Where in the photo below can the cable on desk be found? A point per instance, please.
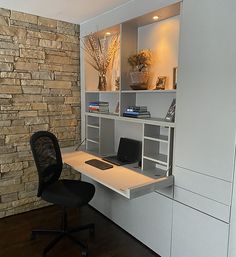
(78, 146)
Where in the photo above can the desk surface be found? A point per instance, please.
(120, 179)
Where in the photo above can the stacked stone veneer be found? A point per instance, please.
(39, 90)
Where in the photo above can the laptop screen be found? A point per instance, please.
(129, 150)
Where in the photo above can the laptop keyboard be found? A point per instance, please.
(114, 160)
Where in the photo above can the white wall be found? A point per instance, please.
(232, 232)
(163, 40)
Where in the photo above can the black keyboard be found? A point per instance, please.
(99, 164)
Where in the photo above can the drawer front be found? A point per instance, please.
(195, 234)
(206, 205)
(206, 186)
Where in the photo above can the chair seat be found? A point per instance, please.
(69, 193)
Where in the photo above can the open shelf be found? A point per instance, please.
(93, 133)
(92, 146)
(158, 158)
(154, 121)
(163, 139)
(154, 169)
(92, 121)
(158, 133)
(92, 126)
(102, 92)
(94, 140)
(150, 91)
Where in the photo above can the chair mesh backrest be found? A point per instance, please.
(47, 157)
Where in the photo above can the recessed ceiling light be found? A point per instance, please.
(108, 33)
(155, 17)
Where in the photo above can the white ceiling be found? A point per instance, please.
(75, 11)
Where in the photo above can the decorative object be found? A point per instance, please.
(175, 72)
(117, 84)
(139, 86)
(117, 110)
(161, 82)
(102, 82)
(140, 63)
(139, 79)
(101, 53)
(170, 116)
(137, 112)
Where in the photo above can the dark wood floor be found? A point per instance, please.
(109, 240)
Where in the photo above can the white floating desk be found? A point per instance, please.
(120, 179)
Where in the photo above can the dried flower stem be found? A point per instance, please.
(100, 52)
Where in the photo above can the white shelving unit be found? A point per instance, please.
(103, 130)
(157, 150)
(92, 131)
(200, 209)
(154, 190)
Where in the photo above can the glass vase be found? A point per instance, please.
(102, 82)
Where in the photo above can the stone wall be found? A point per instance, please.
(39, 90)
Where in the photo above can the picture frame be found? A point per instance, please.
(175, 74)
(117, 108)
(161, 82)
(170, 115)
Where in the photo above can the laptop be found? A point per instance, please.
(129, 151)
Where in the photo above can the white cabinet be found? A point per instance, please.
(205, 117)
(205, 193)
(205, 120)
(148, 218)
(204, 132)
(197, 235)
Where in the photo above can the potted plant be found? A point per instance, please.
(139, 74)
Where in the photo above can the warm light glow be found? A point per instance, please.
(155, 17)
(108, 33)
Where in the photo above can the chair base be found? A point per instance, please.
(61, 234)
(64, 232)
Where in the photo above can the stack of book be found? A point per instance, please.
(137, 112)
(98, 107)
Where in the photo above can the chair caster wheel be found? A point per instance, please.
(84, 253)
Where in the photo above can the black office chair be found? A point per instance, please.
(65, 193)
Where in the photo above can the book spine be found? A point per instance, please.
(134, 110)
(143, 108)
(125, 114)
(98, 103)
(137, 113)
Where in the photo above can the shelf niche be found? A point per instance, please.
(163, 41)
(92, 76)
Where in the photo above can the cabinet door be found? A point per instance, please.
(148, 218)
(197, 235)
(205, 118)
